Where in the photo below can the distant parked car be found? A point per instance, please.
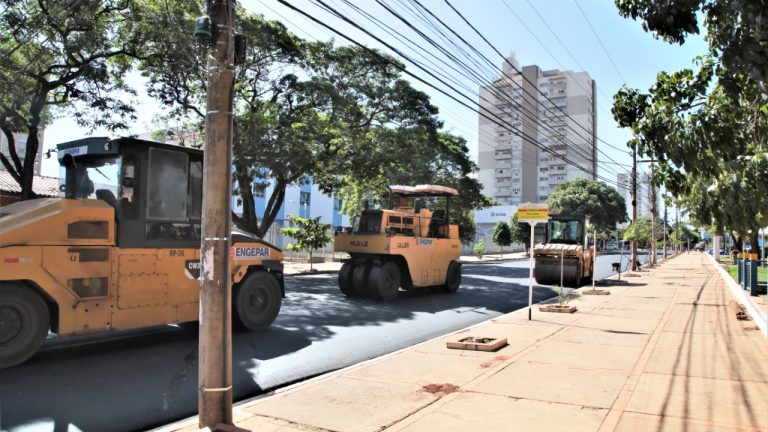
(611, 247)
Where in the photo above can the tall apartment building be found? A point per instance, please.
(644, 196)
(552, 109)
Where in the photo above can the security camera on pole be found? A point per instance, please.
(532, 214)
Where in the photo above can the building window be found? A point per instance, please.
(259, 190)
(338, 203)
(304, 198)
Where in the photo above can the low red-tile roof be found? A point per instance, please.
(41, 185)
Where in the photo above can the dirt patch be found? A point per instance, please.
(501, 358)
(440, 388)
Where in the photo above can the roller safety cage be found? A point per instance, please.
(120, 249)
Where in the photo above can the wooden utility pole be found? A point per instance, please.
(215, 350)
(633, 253)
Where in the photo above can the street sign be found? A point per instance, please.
(532, 212)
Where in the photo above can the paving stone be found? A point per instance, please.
(554, 383)
(585, 356)
(471, 412)
(740, 403)
(346, 404)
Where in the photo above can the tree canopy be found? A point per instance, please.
(583, 197)
(706, 126)
(64, 58)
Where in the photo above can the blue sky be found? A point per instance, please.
(510, 26)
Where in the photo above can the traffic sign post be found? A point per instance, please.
(532, 214)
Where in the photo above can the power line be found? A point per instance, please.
(405, 71)
(600, 41)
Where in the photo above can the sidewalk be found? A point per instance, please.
(662, 352)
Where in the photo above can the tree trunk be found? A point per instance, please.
(250, 220)
(28, 175)
(276, 200)
(310, 260)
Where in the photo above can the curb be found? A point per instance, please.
(758, 316)
(179, 424)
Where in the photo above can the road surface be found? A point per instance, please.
(137, 380)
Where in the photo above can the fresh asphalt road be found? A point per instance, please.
(141, 379)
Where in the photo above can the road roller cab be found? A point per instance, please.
(563, 259)
(412, 244)
(120, 249)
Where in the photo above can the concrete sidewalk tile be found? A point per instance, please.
(585, 355)
(422, 369)
(713, 400)
(634, 422)
(602, 337)
(475, 412)
(522, 330)
(625, 312)
(635, 325)
(723, 364)
(749, 342)
(554, 383)
(266, 424)
(708, 320)
(345, 404)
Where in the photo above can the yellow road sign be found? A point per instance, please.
(533, 214)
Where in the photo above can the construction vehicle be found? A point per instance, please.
(120, 250)
(563, 259)
(406, 246)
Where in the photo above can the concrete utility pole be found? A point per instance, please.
(215, 350)
(652, 196)
(633, 253)
(665, 230)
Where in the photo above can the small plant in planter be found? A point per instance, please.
(564, 298)
(480, 248)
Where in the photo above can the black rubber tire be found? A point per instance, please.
(256, 301)
(384, 281)
(24, 324)
(452, 277)
(345, 279)
(360, 279)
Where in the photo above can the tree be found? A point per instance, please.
(640, 231)
(583, 197)
(502, 236)
(64, 58)
(479, 248)
(519, 231)
(411, 162)
(310, 234)
(707, 127)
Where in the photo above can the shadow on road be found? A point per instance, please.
(142, 380)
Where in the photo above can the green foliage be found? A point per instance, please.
(566, 295)
(519, 231)
(735, 29)
(640, 231)
(420, 159)
(706, 127)
(502, 235)
(582, 197)
(479, 248)
(310, 234)
(65, 60)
